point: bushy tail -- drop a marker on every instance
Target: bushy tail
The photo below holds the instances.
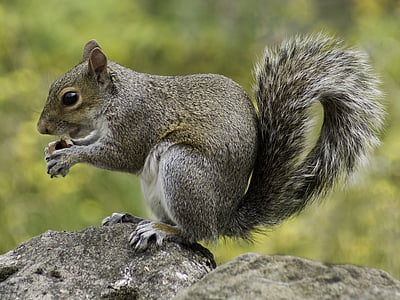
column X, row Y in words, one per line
column 290, row 79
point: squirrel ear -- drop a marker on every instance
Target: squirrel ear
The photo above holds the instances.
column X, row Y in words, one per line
column 88, row 48
column 98, row 63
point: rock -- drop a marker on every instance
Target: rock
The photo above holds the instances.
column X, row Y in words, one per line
column 98, row 263
column 254, row 276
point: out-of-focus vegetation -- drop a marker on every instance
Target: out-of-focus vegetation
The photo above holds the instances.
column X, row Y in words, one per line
column 40, row 40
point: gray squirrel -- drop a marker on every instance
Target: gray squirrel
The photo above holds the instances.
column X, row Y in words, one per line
column 210, row 163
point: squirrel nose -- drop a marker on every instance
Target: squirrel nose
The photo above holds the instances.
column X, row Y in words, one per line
column 42, row 128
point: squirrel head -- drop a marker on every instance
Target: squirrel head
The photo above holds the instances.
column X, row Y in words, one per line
column 76, row 100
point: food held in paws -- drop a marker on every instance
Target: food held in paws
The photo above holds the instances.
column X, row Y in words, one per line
column 61, row 144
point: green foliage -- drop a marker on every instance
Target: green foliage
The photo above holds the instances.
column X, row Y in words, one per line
column 43, row 39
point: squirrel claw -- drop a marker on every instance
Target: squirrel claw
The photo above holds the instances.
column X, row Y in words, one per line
column 58, row 163
column 116, row 218
column 144, row 232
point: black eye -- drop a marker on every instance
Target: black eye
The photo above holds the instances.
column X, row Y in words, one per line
column 70, row 98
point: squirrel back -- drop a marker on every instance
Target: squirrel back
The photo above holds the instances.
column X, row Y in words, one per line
column 196, row 140
column 290, row 79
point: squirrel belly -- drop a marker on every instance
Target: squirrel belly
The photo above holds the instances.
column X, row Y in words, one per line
column 195, row 140
column 152, row 184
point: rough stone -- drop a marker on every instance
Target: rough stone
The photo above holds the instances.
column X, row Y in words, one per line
column 254, row 276
column 98, row 263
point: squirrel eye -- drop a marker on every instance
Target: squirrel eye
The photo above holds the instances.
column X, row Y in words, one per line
column 70, row 98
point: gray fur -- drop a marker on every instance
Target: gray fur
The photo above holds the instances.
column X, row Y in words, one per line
column 290, row 79
column 195, row 140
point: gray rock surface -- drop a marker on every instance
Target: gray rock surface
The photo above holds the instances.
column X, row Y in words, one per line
column 253, row 276
column 98, row 263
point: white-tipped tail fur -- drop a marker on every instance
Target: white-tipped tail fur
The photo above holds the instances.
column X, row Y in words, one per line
column 290, row 79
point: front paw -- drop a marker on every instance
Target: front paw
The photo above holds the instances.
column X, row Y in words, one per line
column 58, row 162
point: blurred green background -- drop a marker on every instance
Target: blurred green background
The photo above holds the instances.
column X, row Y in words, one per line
column 40, row 40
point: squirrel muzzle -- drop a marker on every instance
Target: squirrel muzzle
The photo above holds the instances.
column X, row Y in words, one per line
column 43, row 128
